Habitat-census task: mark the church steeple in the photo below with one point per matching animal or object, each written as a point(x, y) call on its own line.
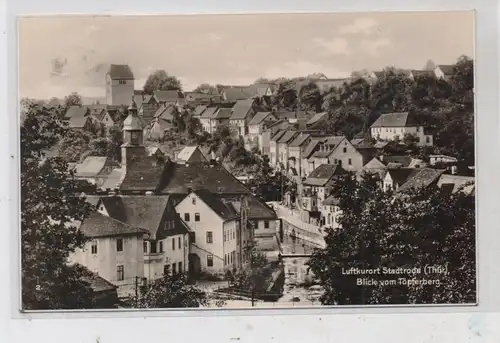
point(133, 136)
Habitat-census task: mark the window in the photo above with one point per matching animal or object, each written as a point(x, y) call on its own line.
point(174, 268)
point(178, 242)
point(119, 244)
point(145, 247)
point(266, 224)
point(94, 248)
point(196, 217)
point(225, 239)
point(152, 246)
point(186, 216)
point(210, 260)
point(231, 256)
point(210, 238)
point(418, 129)
point(427, 139)
point(122, 82)
point(120, 273)
point(350, 162)
point(160, 247)
point(180, 267)
point(192, 237)
point(225, 259)
point(344, 150)
point(173, 244)
point(166, 269)
point(193, 201)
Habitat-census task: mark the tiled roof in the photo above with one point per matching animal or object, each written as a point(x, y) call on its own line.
point(321, 154)
point(114, 180)
point(165, 111)
point(199, 110)
point(77, 122)
point(287, 137)
point(446, 69)
point(299, 140)
point(93, 165)
point(143, 173)
point(167, 96)
point(223, 113)
point(209, 113)
point(120, 72)
point(143, 211)
point(334, 141)
point(133, 122)
point(179, 178)
point(233, 94)
point(217, 204)
point(287, 115)
point(317, 117)
point(464, 183)
point(403, 160)
point(259, 118)
point(98, 283)
point(400, 175)
point(99, 225)
point(76, 111)
point(278, 135)
point(399, 119)
point(309, 149)
point(186, 152)
point(241, 109)
point(257, 209)
point(421, 178)
point(321, 175)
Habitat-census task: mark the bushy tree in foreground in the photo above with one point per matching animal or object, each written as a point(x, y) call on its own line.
point(171, 291)
point(48, 210)
point(426, 227)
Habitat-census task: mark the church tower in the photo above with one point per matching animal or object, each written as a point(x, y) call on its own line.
point(133, 136)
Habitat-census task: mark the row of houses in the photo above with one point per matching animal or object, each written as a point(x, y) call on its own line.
point(155, 215)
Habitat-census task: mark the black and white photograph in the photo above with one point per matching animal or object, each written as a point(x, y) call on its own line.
point(237, 161)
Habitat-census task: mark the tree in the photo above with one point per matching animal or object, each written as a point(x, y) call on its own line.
point(253, 276)
point(206, 88)
point(171, 291)
point(73, 99)
point(286, 95)
point(262, 80)
point(310, 97)
point(161, 81)
point(49, 207)
point(419, 228)
point(73, 145)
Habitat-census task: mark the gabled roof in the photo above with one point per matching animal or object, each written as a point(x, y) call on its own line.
point(257, 209)
point(142, 174)
point(180, 178)
point(76, 111)
point(78, 122)
point(223, 209)
point(334, 141)
point(398, 119)
point(93, 165)
point(317, 117)
point(278, 135)
point(233, 94)
point(209, 113)
point(223, 113)
point(143, 211)
point(421, 178)
point(120, 72)
point(186, 153)
point(98, 283)
point(287, 115)
point(287, 137)
point(259, 118)
point(199, 110)
point(99, 225)
point(152, 150)
point(464, 183)
point(299, 140)
point(167, 96)
point(403, 160)
point(400, 175)
point(241, 109)
point(446, 69)
point(321, 175)
point(309, 149)
point(165, 111)
point(114, 179)
point(133, 122)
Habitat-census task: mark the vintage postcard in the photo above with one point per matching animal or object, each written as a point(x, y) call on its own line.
point(239, 161)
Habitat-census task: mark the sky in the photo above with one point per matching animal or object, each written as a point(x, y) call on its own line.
point(231, 49)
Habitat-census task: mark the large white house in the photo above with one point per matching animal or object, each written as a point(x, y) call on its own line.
point(392, 126)
point(214, 223)
point(114, 251)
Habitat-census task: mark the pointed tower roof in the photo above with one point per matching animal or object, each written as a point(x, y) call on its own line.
point(132, 122)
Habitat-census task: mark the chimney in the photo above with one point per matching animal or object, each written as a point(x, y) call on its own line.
point(454, 170)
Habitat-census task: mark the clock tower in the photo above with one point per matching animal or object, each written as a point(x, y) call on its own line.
point(133, 137)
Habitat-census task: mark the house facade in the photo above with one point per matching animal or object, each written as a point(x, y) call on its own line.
point(215, 231)
point(114, 251)
point(347, 156)
point(394, 126)
point(242, 113)
point(295, 149)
